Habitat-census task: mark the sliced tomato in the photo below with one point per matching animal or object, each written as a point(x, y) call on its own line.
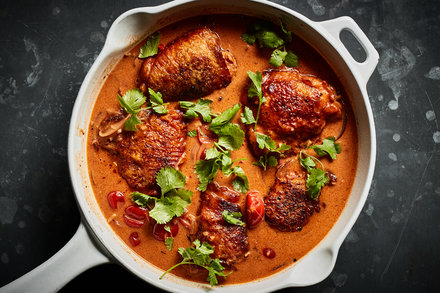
point(255, 208)
point(114, 197)
point(137, 212)
point(134, 239)
point(160, 233)
point(131, 222)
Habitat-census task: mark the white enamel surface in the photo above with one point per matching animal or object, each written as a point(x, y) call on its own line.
point(135, 24)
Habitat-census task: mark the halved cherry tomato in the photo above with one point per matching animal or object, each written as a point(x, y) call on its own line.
point(114, 197)
point(160, 233)
point(137, 212)
point(131, 222)
point(134, 239)
point(255, 208)
point(269, 252)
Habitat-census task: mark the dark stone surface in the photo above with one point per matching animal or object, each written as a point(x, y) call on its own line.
point(47, 48)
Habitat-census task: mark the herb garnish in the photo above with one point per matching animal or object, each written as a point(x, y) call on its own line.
point(200, 255)
point(316, 177)
point(151, 46)
point(201, 108)
point(233, 218)
point(266, 142)
point(264, 33)
point(192, 133)
point(174, 199)
point(132, 102)
point(156, 102)
point(255, 91)
point(230, 138)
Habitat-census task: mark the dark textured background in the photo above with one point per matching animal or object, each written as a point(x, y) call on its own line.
point(46, 49)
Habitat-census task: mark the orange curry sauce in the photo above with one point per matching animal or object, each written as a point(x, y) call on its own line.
point(289, 246)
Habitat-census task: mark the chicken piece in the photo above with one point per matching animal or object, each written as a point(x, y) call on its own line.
point(190, 67)
point(230, 242)
point(296, 109)
point(287, 206)
point(159, 142)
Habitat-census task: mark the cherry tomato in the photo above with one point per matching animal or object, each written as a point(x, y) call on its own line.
point(114, 197)
point(269, 252)
point(160, 233)
point(255, 208)
point(131, 222)
point(137, 212)
point(134, 239)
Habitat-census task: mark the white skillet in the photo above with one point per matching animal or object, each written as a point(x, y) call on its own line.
point(95, 243)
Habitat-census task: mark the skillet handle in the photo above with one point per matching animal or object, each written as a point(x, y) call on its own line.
point(78, 255)
point(335, 27)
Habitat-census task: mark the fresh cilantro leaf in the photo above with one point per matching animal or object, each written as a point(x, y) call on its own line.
point(255, 89)
point(132, 100)
point(316, 179)
point(142, 199)
point(174, 198)
point(130, 124)
point(287, 33)
point(151, 46)
point(266, 161)
point(200, 108)
point(156, 102)
point(265, 141)
point(169, 241)
point(224, 118)
point(169, 178)
point(206, 170)
point(233, 218)
point(247, 117)
point(277, 58)
point(249, 38)
point(269, 39)
point(230, 136)
point(328, 147)
point(307, 163)
point(199, 255)
point(241, 182)
point(173, 204)
point(192, 133)
point(291, 59)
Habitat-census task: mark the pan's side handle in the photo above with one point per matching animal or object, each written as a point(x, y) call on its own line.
point(336, 26)
point(78, 255)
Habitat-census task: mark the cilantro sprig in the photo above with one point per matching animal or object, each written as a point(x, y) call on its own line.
point(264, 33)
point(199, 255)
point(201, 108)
point(156, 102)
point(132, 102)
point(151, 46)
point(269, 159)
point(174, 199)
point(230, 138)
point(255, 90)
point(233, 218)
point(316, 177)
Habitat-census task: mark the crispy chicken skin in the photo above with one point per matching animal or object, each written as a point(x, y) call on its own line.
point(297, 107)
point(190, 67)
point(288, 207)
point(159, 142)
point(230, 242)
